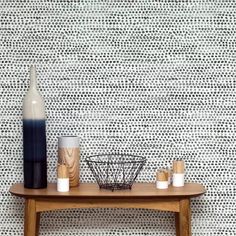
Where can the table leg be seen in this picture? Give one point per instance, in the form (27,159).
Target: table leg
(37,223)
(185,218)
(31,218)
(177,223)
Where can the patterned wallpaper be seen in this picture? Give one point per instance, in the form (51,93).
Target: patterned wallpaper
(153,78)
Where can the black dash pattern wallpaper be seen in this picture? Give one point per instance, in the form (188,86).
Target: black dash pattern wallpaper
(153,78)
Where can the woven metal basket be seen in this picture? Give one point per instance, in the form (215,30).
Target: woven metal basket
(115,171)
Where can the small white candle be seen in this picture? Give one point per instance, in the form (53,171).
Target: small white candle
(63,185)
(162,184)
(178,179)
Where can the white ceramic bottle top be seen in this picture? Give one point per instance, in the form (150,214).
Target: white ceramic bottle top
(68,142)
(33,104)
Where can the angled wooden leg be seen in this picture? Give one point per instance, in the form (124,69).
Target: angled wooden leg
(37,223)
(30,225)
(185,218)
(177,223)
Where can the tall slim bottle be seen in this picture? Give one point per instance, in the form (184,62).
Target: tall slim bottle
(34,136)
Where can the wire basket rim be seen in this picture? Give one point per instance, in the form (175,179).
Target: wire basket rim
(141,160)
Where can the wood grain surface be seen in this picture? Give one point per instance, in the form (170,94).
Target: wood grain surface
(88,195)
(70,157)
(92,190)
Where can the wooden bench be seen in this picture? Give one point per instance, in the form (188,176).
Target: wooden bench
(87,195)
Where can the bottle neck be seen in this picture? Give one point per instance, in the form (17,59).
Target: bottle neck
(33,77)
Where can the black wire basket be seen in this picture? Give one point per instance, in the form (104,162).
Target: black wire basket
(115,171)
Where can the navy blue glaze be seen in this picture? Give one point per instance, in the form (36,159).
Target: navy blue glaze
(35,153)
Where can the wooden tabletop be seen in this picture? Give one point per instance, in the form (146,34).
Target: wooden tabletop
(92,190)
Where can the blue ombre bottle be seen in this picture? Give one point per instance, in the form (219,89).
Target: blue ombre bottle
(34,136)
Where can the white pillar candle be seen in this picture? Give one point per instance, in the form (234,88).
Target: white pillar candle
(63,185)
(162,184)
(178,179)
